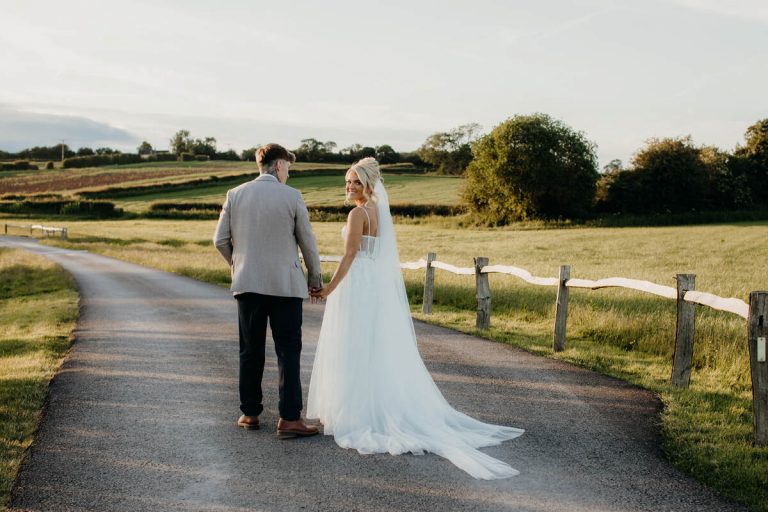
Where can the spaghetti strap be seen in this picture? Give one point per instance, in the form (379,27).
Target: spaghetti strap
(369,219)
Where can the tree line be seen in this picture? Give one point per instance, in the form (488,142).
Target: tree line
(534,166)
(529,166)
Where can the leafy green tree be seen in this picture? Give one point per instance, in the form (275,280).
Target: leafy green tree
(229,154)
(205,146)
(368,151)
(106,151)
(450,152)
(310,150)
(352,150)
(45,152)
(385,154)
(145,148)
(249,155)
(85,152)
(667,176)
(726,189)
(531,166)
(751,161)
(756,145)
(181,142)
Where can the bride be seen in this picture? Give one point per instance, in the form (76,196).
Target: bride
(369,386)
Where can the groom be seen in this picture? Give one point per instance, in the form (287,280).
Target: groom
(260,226)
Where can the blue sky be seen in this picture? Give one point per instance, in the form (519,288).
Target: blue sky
(249,72)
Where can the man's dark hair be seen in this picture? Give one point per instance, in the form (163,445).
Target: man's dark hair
(270,153)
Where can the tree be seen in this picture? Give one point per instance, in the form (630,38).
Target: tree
(667,176)
(85,152)
(751,161)
(756,146)
(367,151)
(106,151)
(229,154)
(386,155)
(613,167)
(205,146)
(45,152)
(249,155)
(450,152)
(145,148)
(352,150)
(181,142)
(310,150)
(528,167)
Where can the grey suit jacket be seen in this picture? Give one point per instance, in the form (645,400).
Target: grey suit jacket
(261,224)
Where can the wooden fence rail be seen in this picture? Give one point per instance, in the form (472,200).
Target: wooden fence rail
(756,314)
(45,230)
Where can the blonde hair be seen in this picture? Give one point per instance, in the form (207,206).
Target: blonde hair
(369,174)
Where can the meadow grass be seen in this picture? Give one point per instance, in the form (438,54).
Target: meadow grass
(38,310)
(318,191)
(707,429)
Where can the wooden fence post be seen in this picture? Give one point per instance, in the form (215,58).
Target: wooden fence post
(686,316)
(561,309)
(64,233)
(758,332)
(429,285)
(483,294)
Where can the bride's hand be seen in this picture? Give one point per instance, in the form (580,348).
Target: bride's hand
(322,293)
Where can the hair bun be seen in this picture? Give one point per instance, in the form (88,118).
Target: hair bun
(369,172)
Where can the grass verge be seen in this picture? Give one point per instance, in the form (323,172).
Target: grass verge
(38,310)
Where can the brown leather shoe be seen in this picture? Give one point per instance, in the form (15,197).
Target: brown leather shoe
(248,422)
(290,429)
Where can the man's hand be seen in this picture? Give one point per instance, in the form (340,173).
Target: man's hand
(315,294)
(321,293)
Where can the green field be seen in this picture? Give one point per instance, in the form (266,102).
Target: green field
(38,309)
(72,181)
(318,191)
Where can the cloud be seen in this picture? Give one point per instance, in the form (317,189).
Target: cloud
(20,129)
(752,10)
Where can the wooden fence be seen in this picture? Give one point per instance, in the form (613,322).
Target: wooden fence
(755,313)
(44,230)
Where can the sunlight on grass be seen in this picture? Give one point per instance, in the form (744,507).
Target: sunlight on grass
(38,310)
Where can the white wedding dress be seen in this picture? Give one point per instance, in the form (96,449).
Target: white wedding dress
(369,386)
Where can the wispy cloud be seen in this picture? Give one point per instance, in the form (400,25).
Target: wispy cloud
(752,10)
(512,36)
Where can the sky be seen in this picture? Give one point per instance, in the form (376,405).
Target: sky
(247,72)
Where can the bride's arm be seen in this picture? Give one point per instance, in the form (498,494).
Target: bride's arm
(355,222)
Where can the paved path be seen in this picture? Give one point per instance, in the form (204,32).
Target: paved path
(141,417)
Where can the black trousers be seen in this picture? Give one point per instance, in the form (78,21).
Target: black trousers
(284,315)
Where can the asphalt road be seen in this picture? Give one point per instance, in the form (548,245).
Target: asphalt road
(142,417)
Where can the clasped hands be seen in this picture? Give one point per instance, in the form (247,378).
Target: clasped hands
(317,294)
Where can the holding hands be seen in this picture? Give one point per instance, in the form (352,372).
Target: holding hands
(318,294)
